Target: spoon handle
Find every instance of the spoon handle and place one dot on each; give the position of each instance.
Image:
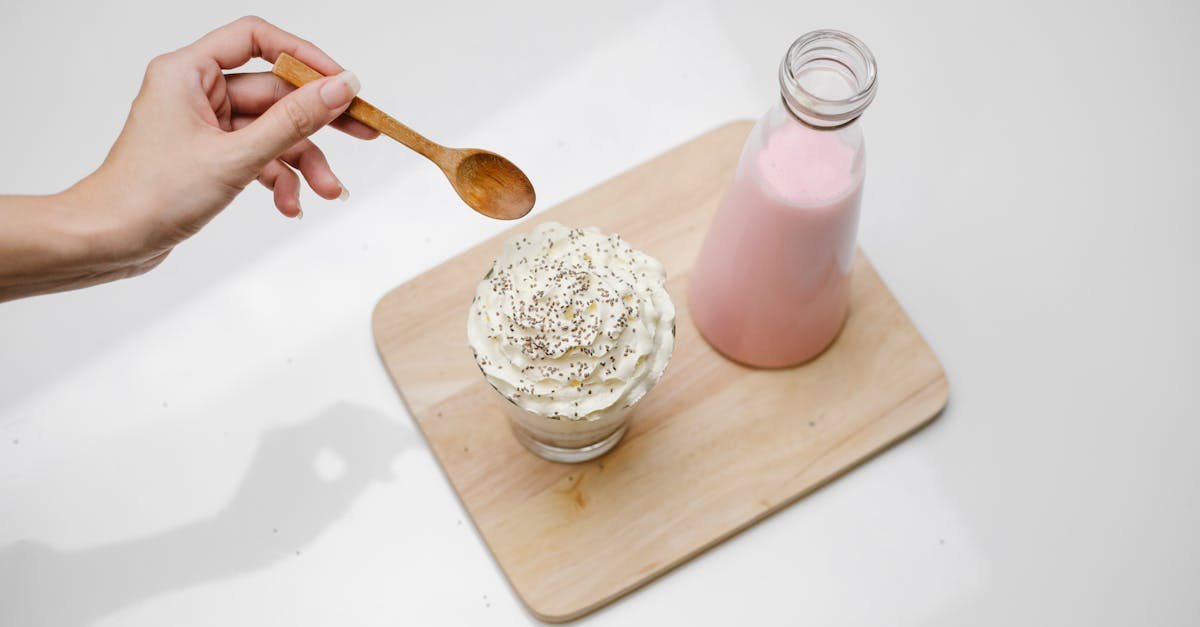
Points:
(297, 73)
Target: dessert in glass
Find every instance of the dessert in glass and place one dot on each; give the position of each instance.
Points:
(572, 327)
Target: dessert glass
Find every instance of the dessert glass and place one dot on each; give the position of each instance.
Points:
(572, 328)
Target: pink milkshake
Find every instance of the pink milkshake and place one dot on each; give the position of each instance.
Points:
(771, 285)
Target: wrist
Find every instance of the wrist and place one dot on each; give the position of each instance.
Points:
(89, 226)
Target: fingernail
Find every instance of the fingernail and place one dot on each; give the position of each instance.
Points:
(299, 211)
(340, 90)
(345, 195)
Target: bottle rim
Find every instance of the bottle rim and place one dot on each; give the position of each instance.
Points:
(847, 53)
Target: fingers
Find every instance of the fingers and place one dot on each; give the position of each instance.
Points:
(310, 160)
(253, 93)
(293, 118)
(354, 128)
(236, 43)
(286, 185)
(306, 157)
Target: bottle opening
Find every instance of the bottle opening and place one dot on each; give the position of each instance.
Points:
(827, 78)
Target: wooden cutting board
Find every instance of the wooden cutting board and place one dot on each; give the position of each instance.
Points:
(714, 448)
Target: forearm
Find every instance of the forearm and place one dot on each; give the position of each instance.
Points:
(53, 243)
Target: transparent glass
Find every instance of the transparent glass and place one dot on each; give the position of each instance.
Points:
(570, 441)
(771, 287)
(827, 78)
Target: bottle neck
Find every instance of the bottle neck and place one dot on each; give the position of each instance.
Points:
(827, 78)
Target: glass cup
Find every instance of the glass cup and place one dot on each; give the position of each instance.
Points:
(566, 439)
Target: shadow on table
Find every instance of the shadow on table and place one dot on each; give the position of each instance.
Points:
(283, 503)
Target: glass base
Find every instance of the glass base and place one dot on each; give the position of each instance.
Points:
(569, 455)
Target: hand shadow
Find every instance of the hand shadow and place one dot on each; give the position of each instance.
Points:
(282, 504)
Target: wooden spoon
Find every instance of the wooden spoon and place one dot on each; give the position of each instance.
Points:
(489, 183)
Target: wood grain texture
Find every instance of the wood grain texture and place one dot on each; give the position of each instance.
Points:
(298, 73)
(714, 448)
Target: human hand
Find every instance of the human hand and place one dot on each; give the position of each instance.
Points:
(194, 139)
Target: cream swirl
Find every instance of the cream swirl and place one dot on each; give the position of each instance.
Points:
(572, 323)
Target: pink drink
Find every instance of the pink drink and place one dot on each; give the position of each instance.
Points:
(771, 285)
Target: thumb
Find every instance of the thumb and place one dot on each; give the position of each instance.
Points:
(296, 116)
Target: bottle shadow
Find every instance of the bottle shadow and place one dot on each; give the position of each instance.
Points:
(285, 501)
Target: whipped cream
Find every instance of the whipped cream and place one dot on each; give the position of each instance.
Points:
(572, 324)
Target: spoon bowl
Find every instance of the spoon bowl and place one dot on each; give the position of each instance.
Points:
(490, 184)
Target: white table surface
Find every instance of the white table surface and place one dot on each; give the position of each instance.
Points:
(216, 443)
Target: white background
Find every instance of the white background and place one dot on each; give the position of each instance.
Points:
(217, 443)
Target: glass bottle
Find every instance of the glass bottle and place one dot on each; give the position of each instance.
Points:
(771, 285)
